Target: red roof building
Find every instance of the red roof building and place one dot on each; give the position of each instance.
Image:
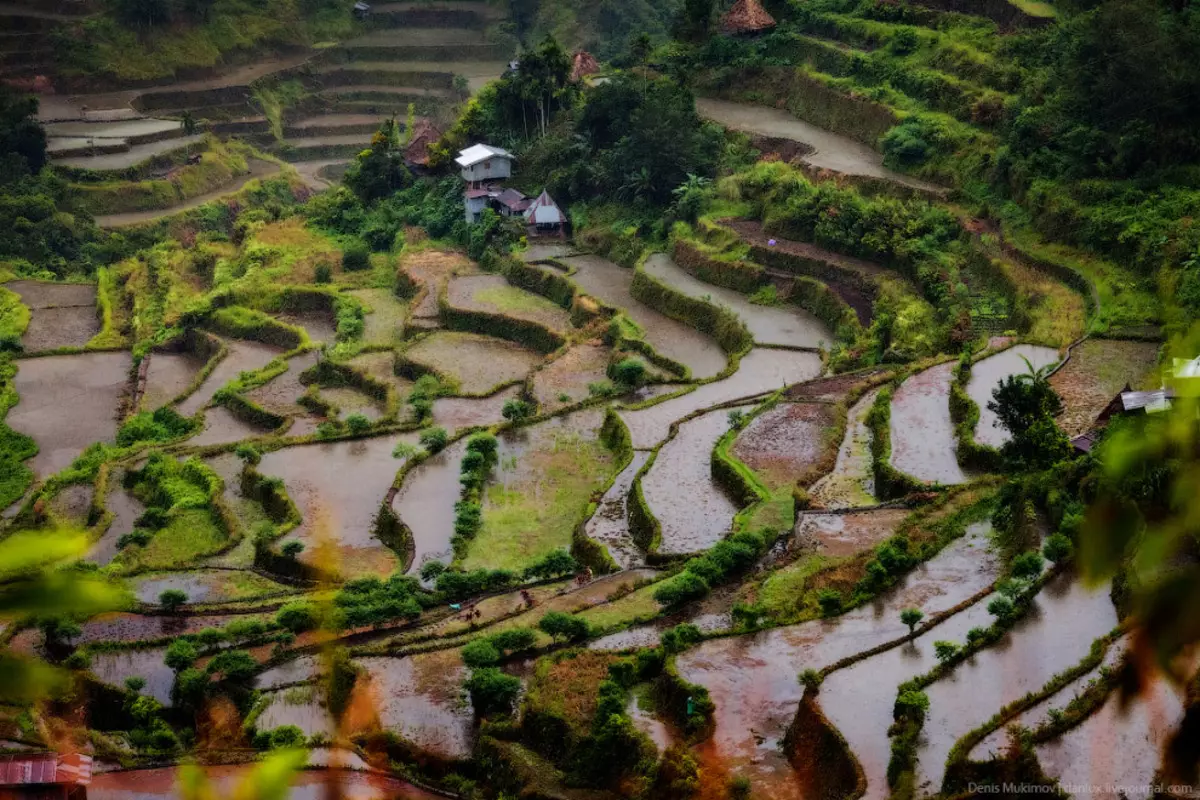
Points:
(583, 64)
(45, 775)
(423, 135)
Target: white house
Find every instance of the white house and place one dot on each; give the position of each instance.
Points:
(544, 214)
(482, 162)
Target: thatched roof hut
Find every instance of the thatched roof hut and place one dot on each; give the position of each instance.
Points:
(584, 64)
(746, 17)
(423, 135)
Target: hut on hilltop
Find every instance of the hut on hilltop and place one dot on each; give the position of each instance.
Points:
(583, 64)
(746, 18)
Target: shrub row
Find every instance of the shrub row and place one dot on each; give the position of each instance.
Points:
(964, 413)
(739, 275)
(389, 529)
(733, 476)
(245, 323)
(721, 324)
(524, 332)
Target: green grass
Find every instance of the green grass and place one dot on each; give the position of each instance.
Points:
(633, 607)
(533, 509)
(14, 316)
(189, 535)
(782, 593)
(514, 300)
(1035, 9)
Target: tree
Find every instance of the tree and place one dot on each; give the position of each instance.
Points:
(553, 564)
(1027, 565)
(135, 683)
(1002, 608)
(830, 601)
(358, 424)
(172, 599)
(480, 653)
(1021, 400)
(22, 138)
(516, 410)
(287, 736)
(911, 705)
(434, 439)
(292, 549)
(430, 570)
(811, 679)
(695, 19)
(180, 654)
(944, 651)
(233, 666)
(567, 627)
(143, 12)
(912, 617)
(1057, 548)
(492, 691)
(297, 616)
(379, 171)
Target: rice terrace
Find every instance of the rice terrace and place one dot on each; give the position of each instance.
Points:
(569, 400)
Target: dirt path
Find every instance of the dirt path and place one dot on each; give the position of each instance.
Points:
(258, 169)
(831, 151)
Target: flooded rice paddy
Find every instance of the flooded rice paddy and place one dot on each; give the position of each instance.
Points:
(761, 370)
(851, 482)
(61, 314)
(455, 413)
(302, 706)
(114, 666)
(493, 294)
(125, 510)
(1056, 634)
(565, 380)
(242, 356)
(610, 524)
(67, 403)
(609, 283)
(279, 395)
(986, 375)
(426, 501)
(923, 443)
(786, 325)
(163, 784)
(319, 325)
(694, 511)
(787, 444)
(168, 376)
(478, 364)
(338, 488)
(752, 678)
(206, 585)
(221, 427)
(421, 698)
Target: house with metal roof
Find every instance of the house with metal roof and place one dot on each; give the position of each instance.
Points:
(45, 775)
(544, 215)
(480, 163)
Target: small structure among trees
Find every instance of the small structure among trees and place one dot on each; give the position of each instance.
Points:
(583, 64)
(45, 775)
(544, 215)
(416, 152)
(746, 18)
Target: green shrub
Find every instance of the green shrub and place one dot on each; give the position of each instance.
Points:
(516, 410)
(553, 564)
(356, 256)
(564, 626)
(830, 601)
(480, 653)
(680, 589)
(912, 617)
(629, 372)
(322, 273)
(248, 453)
(1027, 565)
(292, 549)
(679, 638)
(434, 439)
(492, 691)
(1058, 548)
(287, 736)
(358, 424)
(297, 616)
(180, 655)
(172, 599)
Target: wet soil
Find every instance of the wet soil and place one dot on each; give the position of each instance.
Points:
(72, 503)
(478, 363)
(351, 401)
(221, 427)
(792, 443)
(168, 376)
(297, 670)
(851, 483)
(752, 678)
(128, 627)
(494, 295)
(570, 374)
(42, 294)
(421, 698)
(1056, 634)
(64, 326)
(836, 535)
(381, 367)
(319, 325)
(338, 487)
(114, 666)
(125, 509)
(431, 269)
(830, 151)
(302, 706)
(455, 413)
(787, 325)
(609, 283)
(987, 374)
(243, 355)
(694, 511)
(1098, 369)
(610, 524)
(923, 443)
(762, 370)
(67, 403)
(385, 323)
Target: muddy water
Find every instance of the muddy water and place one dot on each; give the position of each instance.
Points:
(298, 670)
(125, 509)
(67, 403)
(302, 706)
(851, 484)
(163, 784)
(837, 535)
(923, 442)
(609, 283)
(167, 377)
(421, 698)
(752, 678)
(694, 511)
(787, 444)
(478, 363)
(830, 151)
(454, 413)
(319, 325)
(986, 375)
(426, 503)
(242, 356)
(1116, 746)
(787, 325)
(1056, 634)
(129, 627)
(762, 370)
(610, 524)
(114, 666)
(279, 395)
(221, 426)
(996, 742)
(569, 376)
(710, 615)
(645, 721)
(206, 585)
(338, 487)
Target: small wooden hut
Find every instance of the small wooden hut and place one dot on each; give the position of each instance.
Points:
(583, 64)
(746, 18)
(416, 153)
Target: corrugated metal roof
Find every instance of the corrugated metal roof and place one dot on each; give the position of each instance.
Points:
(33, 769)
(480, 152)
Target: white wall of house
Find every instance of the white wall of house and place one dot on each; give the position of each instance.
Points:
(474, 207)
(494, 168)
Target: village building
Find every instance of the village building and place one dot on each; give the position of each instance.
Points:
(45, 775)
(544, 216)
(746, 18)
(483, 167)
(416, 152)
(481, 163)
